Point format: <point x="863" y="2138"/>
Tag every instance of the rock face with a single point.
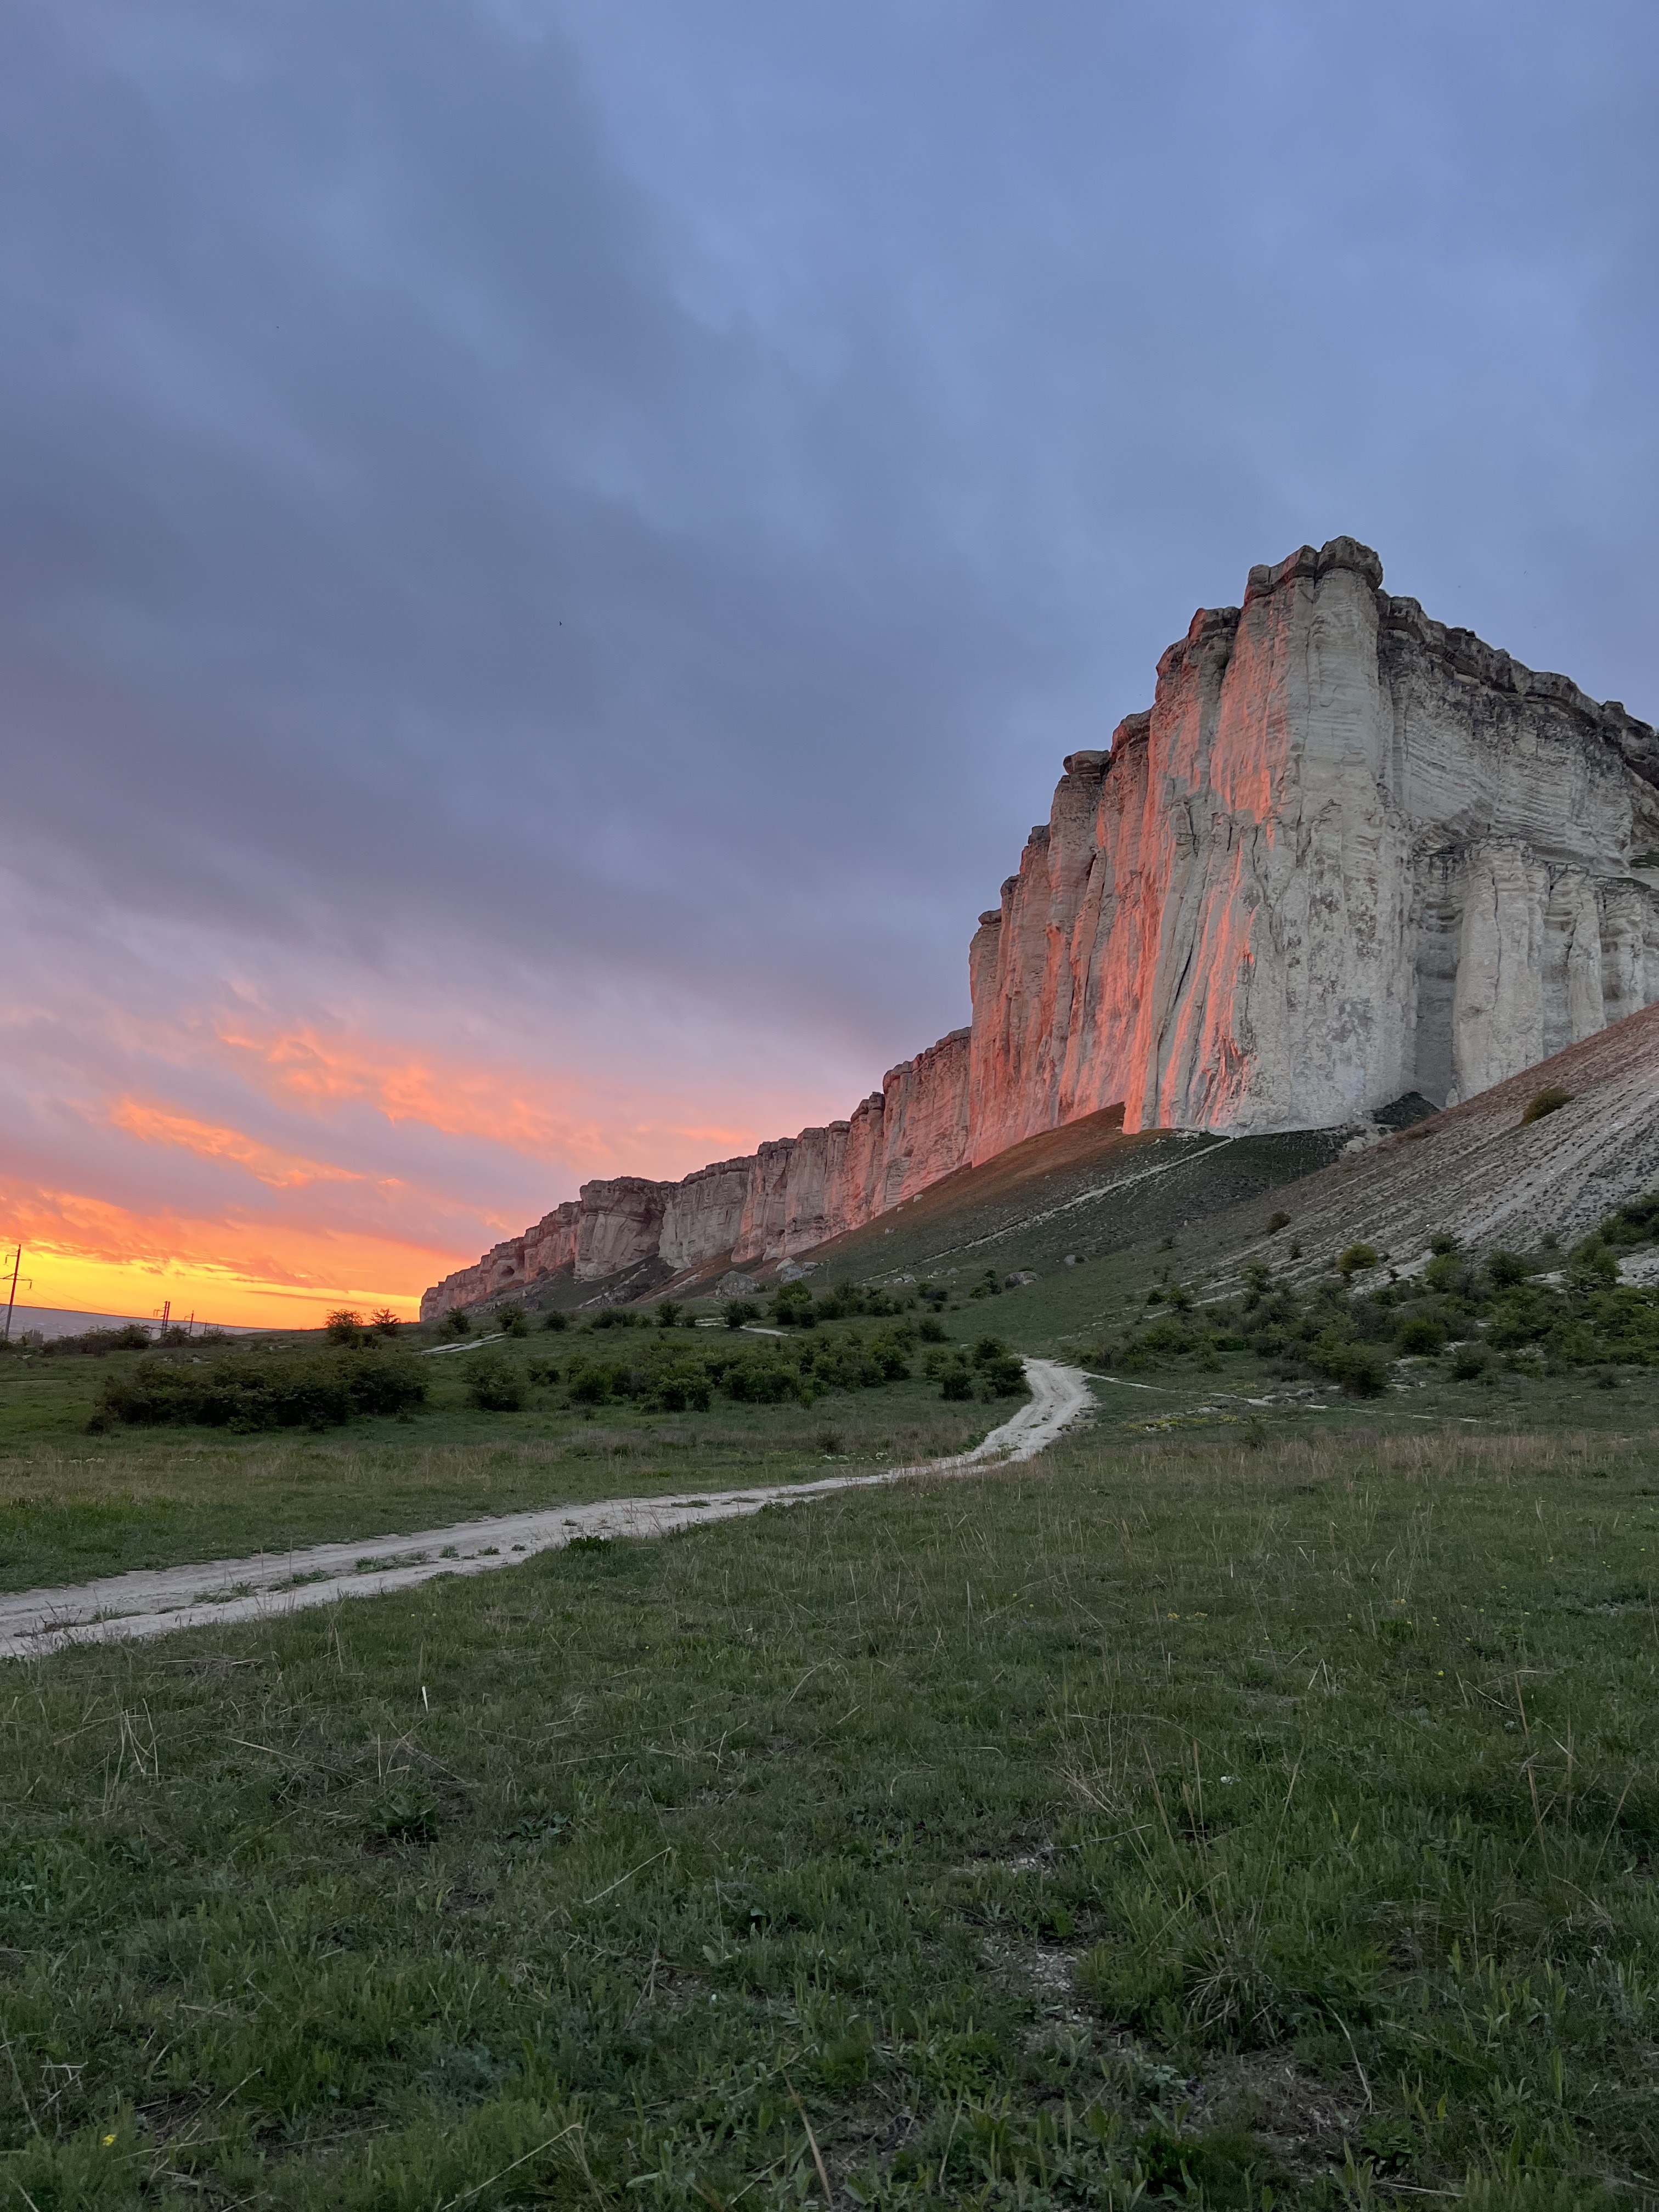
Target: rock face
<point x="783" y="1198"/>
<point x="1348" y="854"/>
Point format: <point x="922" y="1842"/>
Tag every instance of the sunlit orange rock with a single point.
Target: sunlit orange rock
<point x="1347" y="854"/>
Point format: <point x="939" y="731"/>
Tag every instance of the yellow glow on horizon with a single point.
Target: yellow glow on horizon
<point x="263" y="1276"/>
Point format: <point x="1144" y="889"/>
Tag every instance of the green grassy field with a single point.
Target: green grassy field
<point x="74" y="1505"/>
<point x="1176" y="1820"/>
<point x="1253" y="1803"/>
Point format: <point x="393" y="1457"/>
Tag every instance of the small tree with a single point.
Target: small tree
<point x="668" y="1313"/>
<point x="385" y="1321"/>
<point x="456" y="1323"/>
<point x="344" y="1326"/>
<point x="1356" y="1257"/>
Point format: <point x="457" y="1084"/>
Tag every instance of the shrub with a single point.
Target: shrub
<point x="668" y="1313"/>
<point x="762" y="1382"/>
<point x="1505" y="1269"/>
<point x="1360" y="1370"/>
<point x="391" y="1384"/>
<point x="384" y="1321"/>
<point x="289" y="1392"/>
<point x="681" y="1387"/>
<point x="740" y="1310"/>
<point x="1421" y="1333"/>
<point x="1450" y="1271"/>
<point x="1356" y="1257"/>
<point x="1005" y="1377"/>
<point x="512" y="1321"/>
<point x="1278" y="1221"/>
<point x="1469" y="1362"/>
<point x="590" y="1385"/>
<point x="557" y="1322"/>
<point x="455" y="1323"/>
<point x="956" y="1383"/>
<point x="1549" y="1100"/>
<point x="1442" y="1241"/>
<point x="1594" y="1267"/>
<point x="97" y="1342"/>
<point x="344" y="1326"/>
<point x="493" y="1387"/>
<point x="931" y="1329"/>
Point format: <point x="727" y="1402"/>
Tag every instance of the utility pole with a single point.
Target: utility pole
<point x="166" y="1316"/>
<point x="17" y="1262"/>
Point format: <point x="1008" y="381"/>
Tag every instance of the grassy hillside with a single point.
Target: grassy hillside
<point x="1171" y="1822"/>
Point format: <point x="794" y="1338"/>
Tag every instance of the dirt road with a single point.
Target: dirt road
<point x="156" y="1602"/>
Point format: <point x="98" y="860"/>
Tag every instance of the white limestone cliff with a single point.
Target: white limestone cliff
<point x="1347" y="854"/>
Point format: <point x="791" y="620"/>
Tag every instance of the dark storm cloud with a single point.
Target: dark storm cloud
<point x="600" y="522"/>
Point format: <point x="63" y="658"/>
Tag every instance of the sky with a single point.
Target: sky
<point x="551" y="552"/>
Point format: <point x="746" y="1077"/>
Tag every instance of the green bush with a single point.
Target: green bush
<point x="512" y="1321"/>
<point x="1421" y="1334"/>
<point x="740" y="1312"/>
<point x="312" y="1391"/>
<point x="455" y="1323"/>
<point x="956" y="1383"/>
<point x="1356" y="1257"/>
<point x="1549" y="1100"/>
<point x="98" y="1343"/>
<point x="1505" y="1269"/>
<point x="344" y="1326"/>
<point x="493" y="1386"/>
<point x="682" y="1388"/>
<point x="589" y="1383"/>
<point x="1360" y="1370"/>
<point x="762" y="1382"/>
<point x="1448" y="1271"/>
<point x="558" y="1322"/>
<point x="1470" y="1362"/>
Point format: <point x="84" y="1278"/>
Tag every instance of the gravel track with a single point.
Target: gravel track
<point x="272" y="1584"/>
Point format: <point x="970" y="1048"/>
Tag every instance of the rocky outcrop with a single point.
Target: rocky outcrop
<point x="1348" y="854"/>
<point x="785" y="1198"/>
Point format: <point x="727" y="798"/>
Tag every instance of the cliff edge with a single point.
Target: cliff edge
<point x="1347" y="854"/>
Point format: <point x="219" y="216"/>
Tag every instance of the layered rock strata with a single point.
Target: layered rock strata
<point x="1347" y="854"/>
<point x="785" y="1198"/>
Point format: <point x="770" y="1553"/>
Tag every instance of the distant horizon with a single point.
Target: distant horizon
<point x="38" y="1315"/>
